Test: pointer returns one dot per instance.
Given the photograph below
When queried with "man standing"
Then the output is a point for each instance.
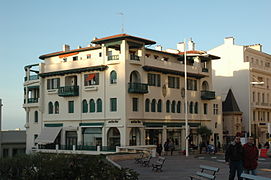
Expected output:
(251, 155)
(234, 157)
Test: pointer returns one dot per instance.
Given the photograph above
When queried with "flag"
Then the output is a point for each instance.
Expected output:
(90, 77)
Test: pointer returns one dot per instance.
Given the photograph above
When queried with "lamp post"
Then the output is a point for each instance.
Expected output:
(185, 101)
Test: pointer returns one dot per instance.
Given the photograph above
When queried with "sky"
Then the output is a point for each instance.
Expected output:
(30, 28)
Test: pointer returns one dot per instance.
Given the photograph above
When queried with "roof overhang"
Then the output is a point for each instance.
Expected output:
(48, 135)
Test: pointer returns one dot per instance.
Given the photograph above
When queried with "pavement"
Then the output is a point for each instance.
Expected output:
(180, 167)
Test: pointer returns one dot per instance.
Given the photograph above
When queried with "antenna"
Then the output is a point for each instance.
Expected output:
(122, 21)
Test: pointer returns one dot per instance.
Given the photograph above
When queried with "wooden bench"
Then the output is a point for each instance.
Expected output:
(146, 161)
(252, 177)
(203, 175)
(158, 164)
(139, 159)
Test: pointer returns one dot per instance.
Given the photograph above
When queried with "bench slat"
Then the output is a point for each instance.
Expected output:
(209, 168)
(205, 175)
(252, 177)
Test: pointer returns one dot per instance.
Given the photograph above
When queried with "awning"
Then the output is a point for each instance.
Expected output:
(48, 135)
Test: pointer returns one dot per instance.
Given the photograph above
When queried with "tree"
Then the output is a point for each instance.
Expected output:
(205, 133)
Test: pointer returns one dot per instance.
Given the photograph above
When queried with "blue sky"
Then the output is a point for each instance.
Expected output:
(30, 28)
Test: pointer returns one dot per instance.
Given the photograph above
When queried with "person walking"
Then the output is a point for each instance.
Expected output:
(166, 146)
(159, 148)
(251, 155)
(171, 147)
(234, 157)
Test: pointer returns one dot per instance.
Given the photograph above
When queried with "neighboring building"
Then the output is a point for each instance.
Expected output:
(232, 117)
(13, 142)
(118, 92)
(247, 71)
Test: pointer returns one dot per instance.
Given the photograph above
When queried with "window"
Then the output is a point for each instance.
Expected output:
(253, 96)
(91, 79)
(168, 106)
(254, 116)
(35, 137)
(135, 104)
(215, 108)
(173, 82)
(56, 107)
(196, 108)
(113, 104)
(113, 77)
(75, 58)
(85, 106)
(64, 59)
(88, 56)
(147, 105)
(5, 152)
(153, 105)
(205, 108)
(91, 106)
(50, 108)
(154, 79)
(179, 107)
(36, 114)
(71, 106)
(53, 83)
(99, 105)
(191, 84)
(159, 106)
(191, 107)
(100, 54)
(173, 105)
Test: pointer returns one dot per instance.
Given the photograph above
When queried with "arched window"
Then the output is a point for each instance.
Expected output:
(159, 106)
(113, 77)
(36, 114)
(135, 77)
(91, 105)
(147, 105)
(179, 107)
(50, 108)
(56, 107)
(99, 105)
(85, 106)
(153, 104)
(205, 86)
(168, 106)
(196, 108)
(173, 106)
(191, 108)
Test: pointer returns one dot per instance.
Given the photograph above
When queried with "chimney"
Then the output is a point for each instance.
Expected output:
(229, 40)
(191, 45)
(158, 48)
(66, 47)
(180, 46)
(79, 47)
(94, 45)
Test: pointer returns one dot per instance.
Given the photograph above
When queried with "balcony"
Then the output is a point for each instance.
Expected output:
(207, 95)
(33, 77)
(67, 91)
(114, 57)
(134, 57)
(138, 88)
(205, 70)
(32, 100)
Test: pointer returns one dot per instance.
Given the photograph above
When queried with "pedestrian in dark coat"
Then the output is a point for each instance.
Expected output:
(234, 157)
(159, 149)
(251, 155)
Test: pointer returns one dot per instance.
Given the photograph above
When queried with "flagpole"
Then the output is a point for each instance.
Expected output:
(185, 99)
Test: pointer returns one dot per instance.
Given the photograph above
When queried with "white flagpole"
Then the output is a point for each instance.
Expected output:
(185, 99)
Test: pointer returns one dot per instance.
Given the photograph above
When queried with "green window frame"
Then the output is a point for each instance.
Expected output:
(153, 105)
(92, 106)
(56, 107)
(36, 116)
(70, 106)
(85, 106)
(113, 104)
(168, 106)
(99, 105)
(50, 108)
(159, 106)
(113, 77)
(147, 105)
(135, 104)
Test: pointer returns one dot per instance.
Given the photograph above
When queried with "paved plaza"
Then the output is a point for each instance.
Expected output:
(179, 167)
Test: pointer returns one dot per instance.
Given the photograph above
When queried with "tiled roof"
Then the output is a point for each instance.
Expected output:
(122, 36)
(230, 104)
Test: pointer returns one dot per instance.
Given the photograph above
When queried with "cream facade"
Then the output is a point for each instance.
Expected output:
(246, 70)
(117, 92)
